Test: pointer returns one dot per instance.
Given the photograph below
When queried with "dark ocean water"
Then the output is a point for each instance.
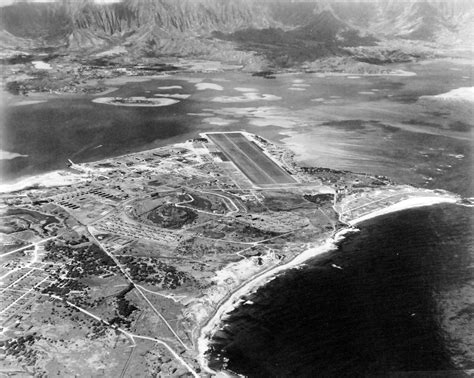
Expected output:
(380, 315)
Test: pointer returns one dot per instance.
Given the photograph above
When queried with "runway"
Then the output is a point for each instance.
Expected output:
(250, 159)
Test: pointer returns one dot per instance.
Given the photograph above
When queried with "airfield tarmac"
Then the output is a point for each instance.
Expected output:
(250, 159)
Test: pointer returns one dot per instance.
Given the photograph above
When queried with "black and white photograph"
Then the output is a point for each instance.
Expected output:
(237, 188)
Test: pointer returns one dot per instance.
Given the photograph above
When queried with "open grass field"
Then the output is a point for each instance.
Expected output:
(250, 159)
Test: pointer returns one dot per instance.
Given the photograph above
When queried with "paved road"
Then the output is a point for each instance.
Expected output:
(137, 288)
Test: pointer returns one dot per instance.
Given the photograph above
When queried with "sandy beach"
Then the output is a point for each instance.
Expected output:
(45, 180)
(330, 244)
(404, 205)
(234, 299)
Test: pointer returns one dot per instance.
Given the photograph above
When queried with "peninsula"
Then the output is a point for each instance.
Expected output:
(133, 261)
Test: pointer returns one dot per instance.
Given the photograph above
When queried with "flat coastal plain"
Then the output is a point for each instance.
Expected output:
(250, 159)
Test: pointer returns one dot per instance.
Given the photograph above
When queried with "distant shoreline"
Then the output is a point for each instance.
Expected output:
(401, 73)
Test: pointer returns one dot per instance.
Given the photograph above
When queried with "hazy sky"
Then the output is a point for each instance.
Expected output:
(8, 2)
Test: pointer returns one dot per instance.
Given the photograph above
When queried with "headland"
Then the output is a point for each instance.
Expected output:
(183, 232)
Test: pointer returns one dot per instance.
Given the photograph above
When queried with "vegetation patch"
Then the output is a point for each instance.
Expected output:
(81, 261)
(170, 216)
(323, 199)
(155, 272)
(284, 201)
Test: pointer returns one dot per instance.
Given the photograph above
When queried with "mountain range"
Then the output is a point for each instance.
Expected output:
(283, 33)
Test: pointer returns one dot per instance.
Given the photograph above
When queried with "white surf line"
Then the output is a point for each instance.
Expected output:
(405, 204)
(266, 276)
(256, 282)
(345, 210)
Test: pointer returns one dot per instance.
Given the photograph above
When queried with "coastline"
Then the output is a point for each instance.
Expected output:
(399, 73)
(58, 177)
(234, 299)
(410, 203)
(326, 243)
(42, 180)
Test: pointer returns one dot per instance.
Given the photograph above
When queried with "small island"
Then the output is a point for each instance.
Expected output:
(135, 101)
